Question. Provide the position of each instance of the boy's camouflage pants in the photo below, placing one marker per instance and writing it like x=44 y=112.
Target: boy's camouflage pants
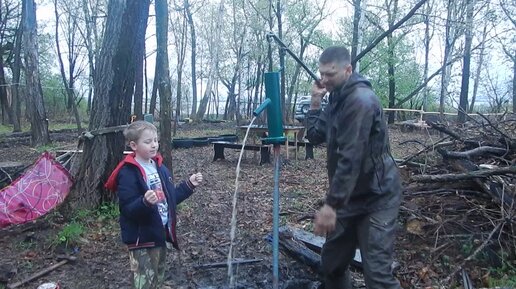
x=148 y=267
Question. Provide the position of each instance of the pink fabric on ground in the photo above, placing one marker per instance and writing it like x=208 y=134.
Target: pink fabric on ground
x=40 y=189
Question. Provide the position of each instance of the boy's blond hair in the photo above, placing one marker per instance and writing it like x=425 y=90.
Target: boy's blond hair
x=134 y=131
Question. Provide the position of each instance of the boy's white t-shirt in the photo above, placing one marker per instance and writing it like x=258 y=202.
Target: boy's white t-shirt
x=153 y=180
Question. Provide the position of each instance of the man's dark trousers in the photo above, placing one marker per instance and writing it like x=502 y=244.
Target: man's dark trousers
x=374 y=234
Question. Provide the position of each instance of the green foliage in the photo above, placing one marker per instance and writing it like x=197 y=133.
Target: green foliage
x=48 y=147
x=504 y=276
x=70 y=234
x=108 y=211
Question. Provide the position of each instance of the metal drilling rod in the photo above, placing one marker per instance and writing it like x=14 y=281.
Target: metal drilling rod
x=275 y=219
x=283 y=46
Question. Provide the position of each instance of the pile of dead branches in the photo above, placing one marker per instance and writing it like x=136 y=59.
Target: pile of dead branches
x=461 y=195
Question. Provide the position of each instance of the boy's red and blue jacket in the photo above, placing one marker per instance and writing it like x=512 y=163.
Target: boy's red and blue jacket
x=140 y=222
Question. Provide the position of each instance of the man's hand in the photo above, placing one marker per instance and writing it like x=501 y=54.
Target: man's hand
x=318 y=92
x=325 y=220
x=196 y=179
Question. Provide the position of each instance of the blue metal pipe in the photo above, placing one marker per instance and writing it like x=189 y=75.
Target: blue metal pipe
x=275 y=219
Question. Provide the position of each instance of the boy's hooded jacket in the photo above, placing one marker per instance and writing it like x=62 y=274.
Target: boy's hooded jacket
x=140 y=221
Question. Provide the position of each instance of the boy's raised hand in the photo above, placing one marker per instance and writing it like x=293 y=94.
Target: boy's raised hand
x=151 y=197
x=196 y=179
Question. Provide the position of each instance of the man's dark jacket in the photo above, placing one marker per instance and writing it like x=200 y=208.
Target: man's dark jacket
x=140 y=222
x=363 y=176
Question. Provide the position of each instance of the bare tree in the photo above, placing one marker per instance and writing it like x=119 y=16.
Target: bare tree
x=306 y=19
x=35 y=104
x=508 y=10
x=73 y=54
x=114 y=85
x=213 y=64
x=92 y=34
x=165 y=90
x=16 y=71
x=481 y=56
x=193 y=54
x=450 y=37
x=468 y=35
x=9 y=33
x=180 y=29
x=427 y=39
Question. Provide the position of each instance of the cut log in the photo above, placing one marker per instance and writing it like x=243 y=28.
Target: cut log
x=305 y=246
x=297 y=250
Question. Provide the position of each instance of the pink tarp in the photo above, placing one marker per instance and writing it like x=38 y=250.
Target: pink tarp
x=40 y=189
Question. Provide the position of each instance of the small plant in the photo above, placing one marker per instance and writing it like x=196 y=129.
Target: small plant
x=70 y=234
x=47 y=147
x=467 y=247
x=504 y=276
x=108 y=211
x=82 y=215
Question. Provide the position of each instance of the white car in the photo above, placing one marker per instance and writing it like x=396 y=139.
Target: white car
x=303 y=105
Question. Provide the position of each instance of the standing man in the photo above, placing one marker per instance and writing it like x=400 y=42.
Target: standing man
x=364 y=196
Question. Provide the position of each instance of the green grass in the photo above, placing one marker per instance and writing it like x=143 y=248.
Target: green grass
x=108 y=211
x=73 y=231
x=504 y=276
x=70 y=234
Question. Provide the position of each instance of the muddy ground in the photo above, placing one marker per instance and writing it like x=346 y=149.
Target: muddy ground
x=204 y=226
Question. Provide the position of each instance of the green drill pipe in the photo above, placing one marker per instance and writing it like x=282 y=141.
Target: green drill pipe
x=274 y=116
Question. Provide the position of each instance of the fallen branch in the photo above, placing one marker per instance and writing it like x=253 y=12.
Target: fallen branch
x=504 y=135
x=444 y=130
x=463 y=176
x=475 y=253
x=474 y=152
x=439 y=143
x=225 y=264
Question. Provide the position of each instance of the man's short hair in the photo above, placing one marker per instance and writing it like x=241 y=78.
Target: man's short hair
x=135 y=130
x=337 y=54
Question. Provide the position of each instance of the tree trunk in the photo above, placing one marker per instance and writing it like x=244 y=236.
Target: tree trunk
x=180 y=42
x=356 y=24
x=464 y=90
x=193 y=40
x=35 y=104
x=269 y=43
x=392 y=14
x=478 y=73
x=514 y=83
x=91 y=50
x=165 y=90
x=282 y=61
x=427 y=53
x=139 y=57
x=68 y=84
x=115 y=74
x=214 y=64
x=16 y=69
x=154 y=94
x=448 y=49
x=7 y=105
x=258 y=83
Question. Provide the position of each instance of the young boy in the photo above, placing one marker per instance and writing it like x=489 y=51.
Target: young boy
x=148 y=200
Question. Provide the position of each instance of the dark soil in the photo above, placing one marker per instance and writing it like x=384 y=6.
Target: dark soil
x=204 y=226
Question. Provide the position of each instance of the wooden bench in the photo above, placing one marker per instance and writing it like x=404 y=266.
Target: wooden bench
x=309 y=148
x=219 y=146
